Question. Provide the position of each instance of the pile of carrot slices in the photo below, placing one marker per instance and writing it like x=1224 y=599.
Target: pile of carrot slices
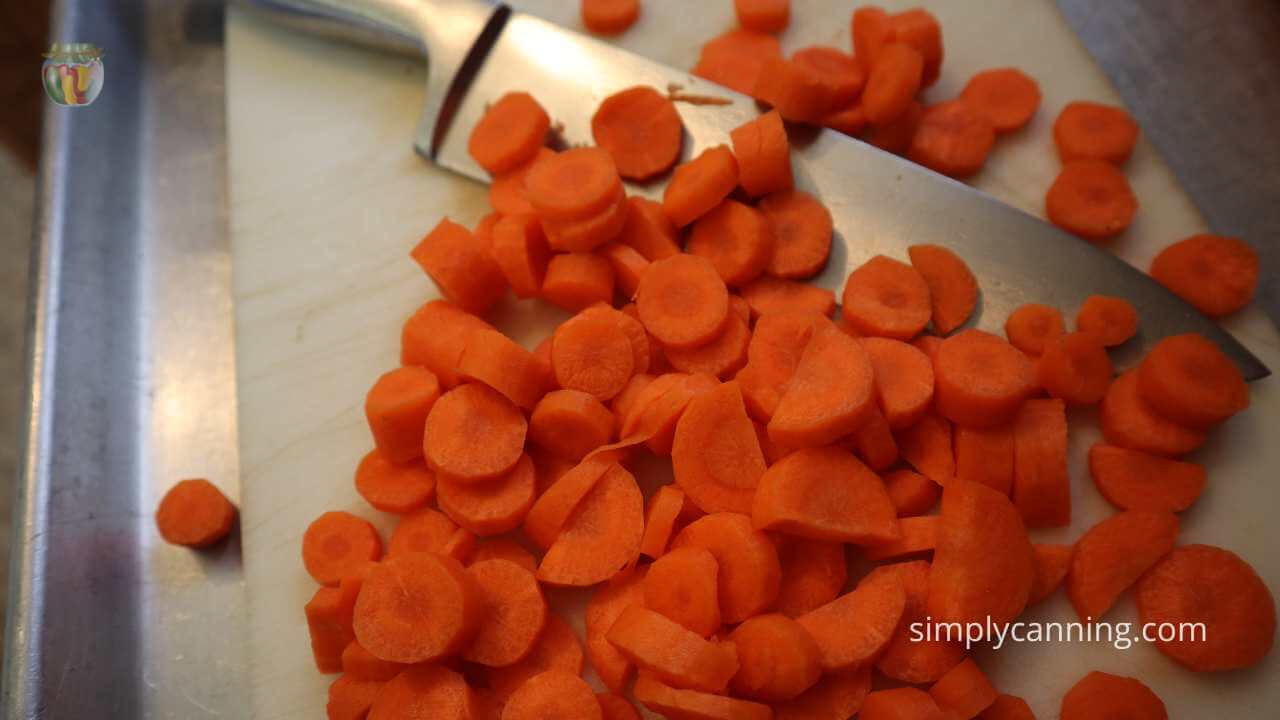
x=796 y=438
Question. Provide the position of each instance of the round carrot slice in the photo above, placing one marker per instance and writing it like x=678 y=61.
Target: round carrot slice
x=418 y=607
x=500 y=363
x=699 y=185
x=609 y=17
x=1128 y=421
x=682 y=586
x=641 y=129
x=509 y=134
x=799 y=91
x=571 y=423
x=839 y=70
x=893 y=82
x=461 y=266
x=553 y=694
x=1091 y=199
x=735 y=58
x=736 y=238
x=1110 y=320
x=1007 y=97
x=953 y=139
x=435 y=337
x=429 y=530
x=903 y=380
x=769 y=295
x=855 y=627
x=587 y=234
x=767 y=16
x=493 y=507
x=575 y=281
x=777 y=659
x=591 y=353
x=1075 y=368
x=980 y=379
x=953 y=290
x=830 y=393
x=573 y=185
x=1216 y=274
x=1032 y=327
x=396 y=408
x=1187 y=379
x=628 y=265
x=648 y=230
x=825 y=493
x=514 y=609
x=336 y=543
x=521 y=251
x=1091 y=131
x=750 y=574
x=763 y=154
x=504 y=549
x=721 y=357
x=426 y=691
x=557 y=648
x=1112 y=555
x=1102 y=695
x=506 y=192
x=394 y=488
x=194 y=513
x=886 y=298
x=473 y=433
x=920 y=29
x=802 y=229
x=683 y=301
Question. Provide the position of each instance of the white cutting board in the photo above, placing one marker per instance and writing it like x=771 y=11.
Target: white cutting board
x=327 y=197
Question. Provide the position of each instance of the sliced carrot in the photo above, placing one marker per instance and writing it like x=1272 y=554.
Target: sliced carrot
x=497 y=361
x=1128 y=421
x=1091 y=131
x=850 y=119
x=473 y=433
x=447 y=608
x=601 y=537
x=557 y=503
x=908 y=658
x=1075 y=368
x=504 y=549
x=609 y=17
x=870 y=29
x=927 y=447
x=506 y=192
x=571 y=423
x=737 y=239
x=825 y=493
x=1112 y=555
x=964 y=690
x=589 y=233
x=953 y=139
x=918 y=535
x=336 y=543
x=799 y=91
x=1007 y=97
x=351 y=698
x=802 y=229
x=910 y=492
x=681 y=585
x=557 y=649
x=329 y=618
x=632 y=328
x=658 y=364
x=837 y=696
x=509 y=133
x=763 y=154
x=628 y=265
x=920 y=29
x=1134 y=480
x=895 y=136
x=769 y=16
x=1189 y=380
x=722 y=357
x=892 y=83
x=641 y=129
x=813 y=573
x=1052 y=564
x=984 y=565
x=492 y=507
x=1032 y=327
x=953 y=291
x=592 y=353
x=749 y=570
x=699 y=185
x=716 y=458
x=1041 y=486
x=1008 y=707
x=693 y=705
x=194 y=513
x=435 y=337
x=550 y=467
x=886 y=298
x=624 y=403
x=396 y=408
x=1110 y=320
x=841 y=71
x=514 y=609
x=927 y=344
x=648 y=230
x=429 y=530
x=616 y=707
x=1099 y=695
x=772 y=356
x=1091 y=199
x=676 y=655
x=903 y=380
x=980 y=379
x=735 y=58
x=855 y=627
x=874 y=442
x=553 y=694
x=483 y=231
x=520 y=249
x=777 y=658
x=769 y=295
x=603 y=608
x=659 y=411
x=573 y=185
x=461 y=267
x=683 y=301
x=830 y=393
x=986 y=455
x=426 y=691
x=361 y=664
x=1218 y=275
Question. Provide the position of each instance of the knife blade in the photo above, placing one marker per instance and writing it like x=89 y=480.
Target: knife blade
x=880 y=203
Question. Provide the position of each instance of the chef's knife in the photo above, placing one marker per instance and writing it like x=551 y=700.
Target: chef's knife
x=477 y=51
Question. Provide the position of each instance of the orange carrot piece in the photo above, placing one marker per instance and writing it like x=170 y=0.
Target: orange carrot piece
x=895 y=136
x=461 y=267
x=553 y=694
x=616 y=707
x=799 y=91
x=825 y=493
x=699 y=185
x=587 y=234
x=772 y=356
x=693 y=705
x=983 y=565
x=557 y=649
x=1110 y=320
x=509 y=133
x=768 y=16
x=850 y=119
x=1091 y=131
x=628 y=265
x=426 y=691
x=737 y=239
x=396 y=408
x=1112 y=555
x=659 y=409
x=874 y=442
x=1134 y=480
x=886 y=298
x=329 y=618
x=986 y=455
x=592 y=353
x=500 y=363
x=1099 y=695
x=1128 y=421
x=336 y=543
x=641 y=129
x=1075 y=368
x=1008 y=707
x=1218 y=275
x=473 y=433
x=659 y=521
x=448 y=607
x=918 y=535
x=676 y=655
x=351 y=698
x=1189 y=380
x=492 y=507
x=830 y=393
x=610 y=17
x=907 y=658
x=920 y=29
x=964 y=690
x=514 y=610
x=777 y=658
x=570 y=423
x=435 y=337
x=813 y=573
x=837 y=696
x=1052 y=564
x=429 y=530
x=953 y=290
x=681 y=585
x=558 y=502
x=722 y=357
x=1007 y=97
x=504 y=549
x=840 y=70
x=194 y=513
x=1091 y=199
x=506 y=191
x=521 y=251
x=892 y=83
x=1041 y=486
x=750 y=573
x=953 y=139
x=903 y=380
x=603 y=608
x=360 y=664
x=763 y=154
x=601 y=537
x=855 y=627
x=910 y=492
x=870 y=29
x=1032 y=327
x=573 y=185
x=716 y=457
x=927 y=447
x=802 y=229
x=735 y=58
x=624 y=403
x=768 y=295
x=980 y=379
x=648 y=230
x=683 y=301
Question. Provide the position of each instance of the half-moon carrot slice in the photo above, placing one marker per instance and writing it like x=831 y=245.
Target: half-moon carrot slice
x=736 y=238
x=509 y=133
x=927 y=447
x=606 y=603
x=521 y=251
x=1112 y=555
x=499 y=362
x=648 y=230
x=953 y=139
x=716 y=457
x=777 y=658
x=1128 y=421
x=825 y=493
x=572 y=185
x=907 y=658
x=699 y=185
x=473 y=433
x=336 y=543
x=1216 y=274
x=903 y=380
x=447 y=608
x=802 y=229
x=1189 y=380
x=683 y=301
x=1032 y=326
x=660 y=407
x=980 y=379
x=813 y=573
x=763 y=154
x=964 y=691
x=837 y=696
x=749 y=570
x=1041 y=486
x=769 y=295
x=953 y=290
x=886 y=298
x=1110 y=320
x=426 y=691
x=682 y=586
x=558 y=502
x=830 y=393
x=602 y=536
x=1134 y=480
x=492 y=507
x=675 y=654
x=394 y=488
x=350 y=698
x=693 y=705
x=553 y=694
x=919 y=535
x=986 y=455
x=660 y=519
x=912 y=493
x=515 y=613
x=852 y=629
x=641 y=129
x=874 y=442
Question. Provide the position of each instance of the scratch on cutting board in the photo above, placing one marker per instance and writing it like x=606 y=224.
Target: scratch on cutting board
x=208 y=710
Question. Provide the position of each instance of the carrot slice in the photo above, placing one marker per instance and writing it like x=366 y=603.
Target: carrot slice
x=1215 y=587
x=194 y=513
x=777 y=658
x=1109 y=320
x=802 y=229
x=910 y=492
x=903 y=380
x=830 y=393
x=504 y=549
x=648 y=230
x=497 y=361
x=772 y=356
x=1128 y=421
x=587 y=234
x=603 y=608
x=509 y=133
x=435 y=337
x=593 y=354
x=616 y=707
x=716 y=457
x=886 y=298
x=683 y=301
x=749 y=570
x=628 y=265
x=641 y=129
x=553 y=694
x=461 y=267
x=693 y=705
x=492 y=507
x=840 y=70
x=850 y=119
x=855 y=627
x=825 y=493
x=1075 y=368
x=964 y=690
x=895 y=136
x=360 y=664
x=1091 y=131
x=984 y=565
x=799 y=91
x=521 y=251
x=1007 y=97
x=768 y=295
x=953 y=291
x=1041 y=486
x=601 y=537
x=351 y=698
x=336 y=543
x=473 y=433
x=676 y=655
x=1008 y=707
x=986 y=455
x=737 y=239
x=874 y=442
x=624 y=403
x=837 y=696
x=920 y=29
x=514 y=609
x=506 y=191
x=447 y=608
x=329 y=617
x=558 y=502
x=1218 y=275
x=699 y=185
x=681 y=585
x=1032 y=327
x=1100 y=694
x=953 y=139
x=918 y=535
x=813 y=573
x=572 y=185
x=1189 y=380
x=659 y=520
x=557 y=649
x=429 y=530
x=722 y=357
x=769 y=16
x=396 y=408
x=927 y=447
x=1112 y=555
x=980 y=380
x=763 y=154
x=659 y=411
x=893 y=82
x=870 y=29
x=426 y=691
x=907 y=658
x=570 y=423
x=1091 y=199
x=735 y=58
x=632 y=328
x=1052 y=564
x=609 y=17
x=1134 y=480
